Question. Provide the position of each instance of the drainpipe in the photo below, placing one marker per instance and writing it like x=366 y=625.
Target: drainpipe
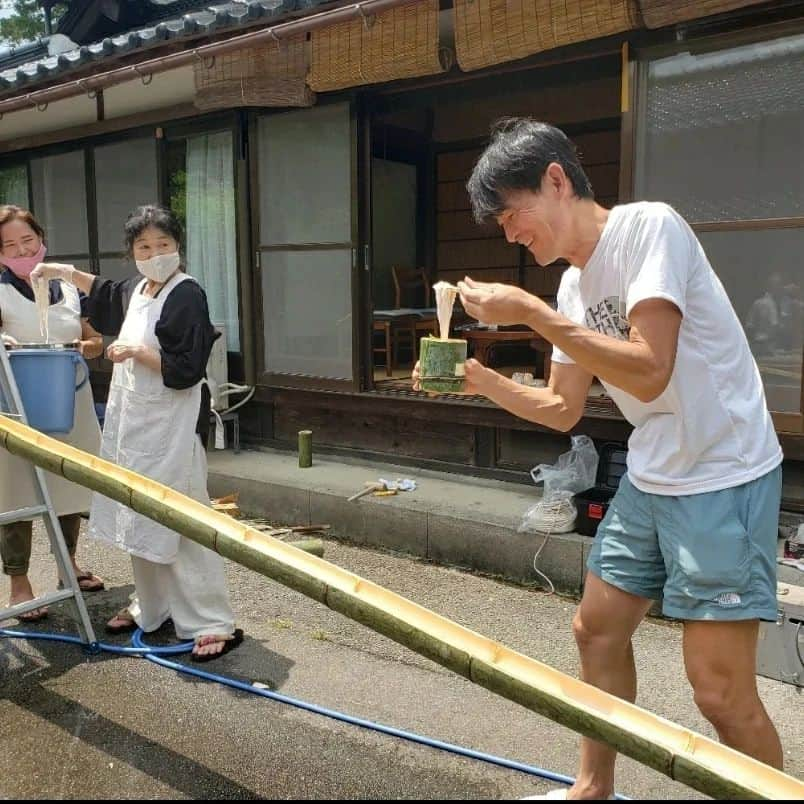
x=205 y=54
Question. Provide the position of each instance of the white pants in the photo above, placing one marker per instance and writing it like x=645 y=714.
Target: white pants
x=192 y=591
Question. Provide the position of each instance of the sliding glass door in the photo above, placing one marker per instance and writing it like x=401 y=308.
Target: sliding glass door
x=306 y=246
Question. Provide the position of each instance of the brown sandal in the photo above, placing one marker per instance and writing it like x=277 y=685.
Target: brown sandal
x=229 y=643
x=87 y=582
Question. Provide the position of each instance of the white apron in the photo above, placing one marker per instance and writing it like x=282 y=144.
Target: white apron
x=149 y=429
x=21 y=321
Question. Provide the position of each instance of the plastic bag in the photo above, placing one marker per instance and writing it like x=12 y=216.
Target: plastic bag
x=573 y=472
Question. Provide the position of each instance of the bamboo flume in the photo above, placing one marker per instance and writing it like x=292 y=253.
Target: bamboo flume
x=677 y=752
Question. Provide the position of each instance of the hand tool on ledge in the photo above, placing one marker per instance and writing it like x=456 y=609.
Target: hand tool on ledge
x=370 y=487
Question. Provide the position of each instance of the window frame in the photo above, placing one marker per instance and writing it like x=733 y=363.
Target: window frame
x=358 y=246
x=785 y=422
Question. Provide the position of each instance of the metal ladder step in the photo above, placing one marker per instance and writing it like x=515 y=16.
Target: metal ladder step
x=11 y=402
x=31 y=605
x=21 y=514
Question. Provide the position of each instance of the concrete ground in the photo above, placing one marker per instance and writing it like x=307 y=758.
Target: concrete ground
x=117 y=727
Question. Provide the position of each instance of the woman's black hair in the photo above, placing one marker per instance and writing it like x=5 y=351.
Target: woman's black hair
x=151 y=215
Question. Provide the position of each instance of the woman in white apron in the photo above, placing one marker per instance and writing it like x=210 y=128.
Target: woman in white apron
x=21 y=248
x=157 y=417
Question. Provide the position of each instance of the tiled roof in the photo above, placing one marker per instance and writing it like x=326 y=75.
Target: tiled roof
x=216 y=18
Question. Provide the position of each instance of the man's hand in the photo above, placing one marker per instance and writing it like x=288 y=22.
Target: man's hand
x=495 y=303
x=53 y=270
x=9 y=340
x=477 y=377
x=416 y=376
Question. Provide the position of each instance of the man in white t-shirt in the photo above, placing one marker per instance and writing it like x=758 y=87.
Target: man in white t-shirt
x=695 y=520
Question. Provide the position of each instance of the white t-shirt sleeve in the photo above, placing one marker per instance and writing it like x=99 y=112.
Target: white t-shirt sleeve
x=568 y=303
x=658 y=257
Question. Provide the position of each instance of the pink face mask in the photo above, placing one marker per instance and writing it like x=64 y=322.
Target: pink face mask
x=22 y=266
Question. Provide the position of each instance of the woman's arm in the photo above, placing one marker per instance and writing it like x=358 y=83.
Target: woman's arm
x=91 y=343
x=185 y=336
x=105 y=302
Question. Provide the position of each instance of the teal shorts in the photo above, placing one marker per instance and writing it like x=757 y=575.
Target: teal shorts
x=708 y=556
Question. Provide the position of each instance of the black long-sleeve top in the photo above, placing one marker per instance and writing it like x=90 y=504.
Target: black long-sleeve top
x=184 y=332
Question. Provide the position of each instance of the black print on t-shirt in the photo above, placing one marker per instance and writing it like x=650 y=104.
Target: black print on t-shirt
x=608 y=318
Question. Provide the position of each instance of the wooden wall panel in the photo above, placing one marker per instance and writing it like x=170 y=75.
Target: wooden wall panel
x=508 y=275
x=488 y=253
x=452 y=196
x=542 y=281
x=457 y=165
x=461 y=225
x=364 y=430
x=594 y=99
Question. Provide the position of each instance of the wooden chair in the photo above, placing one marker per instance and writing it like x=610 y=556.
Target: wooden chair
x=412 y=288
x=384 y=326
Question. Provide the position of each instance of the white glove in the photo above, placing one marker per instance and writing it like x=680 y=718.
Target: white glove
x=53 y=270
x=8 y=339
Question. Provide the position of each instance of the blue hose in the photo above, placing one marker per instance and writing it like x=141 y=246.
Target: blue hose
x=98 y=647
x=139 y=648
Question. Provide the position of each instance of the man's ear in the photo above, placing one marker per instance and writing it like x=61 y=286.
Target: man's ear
x=555 y=178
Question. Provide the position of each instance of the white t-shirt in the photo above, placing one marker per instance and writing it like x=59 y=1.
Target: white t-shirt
x=710 y=429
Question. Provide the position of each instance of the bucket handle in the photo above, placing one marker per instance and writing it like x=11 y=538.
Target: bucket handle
x=79 y=358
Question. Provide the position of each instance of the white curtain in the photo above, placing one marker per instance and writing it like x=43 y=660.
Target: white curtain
x=211 y=232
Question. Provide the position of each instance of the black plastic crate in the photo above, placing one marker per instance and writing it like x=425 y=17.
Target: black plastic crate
x=593 y=503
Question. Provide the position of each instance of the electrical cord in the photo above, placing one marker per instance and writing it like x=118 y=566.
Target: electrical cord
x=556 y=515
x=227 y=388
x=221 y=391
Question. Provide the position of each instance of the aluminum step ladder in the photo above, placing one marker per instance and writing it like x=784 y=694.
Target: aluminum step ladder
x=11 y=406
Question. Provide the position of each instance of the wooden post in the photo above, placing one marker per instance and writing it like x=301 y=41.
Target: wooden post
x=305 y=449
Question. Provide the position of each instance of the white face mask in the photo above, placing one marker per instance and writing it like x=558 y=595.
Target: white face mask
x=159 y=268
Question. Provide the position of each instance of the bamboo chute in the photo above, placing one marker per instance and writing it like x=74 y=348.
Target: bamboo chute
x=677 y=752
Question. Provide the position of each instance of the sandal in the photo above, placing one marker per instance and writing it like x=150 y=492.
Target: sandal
x=33 y=616
x=87 y=582
x=228 y=644
x=128 y=624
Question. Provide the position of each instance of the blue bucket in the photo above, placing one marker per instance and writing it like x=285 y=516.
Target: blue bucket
x=46 y=379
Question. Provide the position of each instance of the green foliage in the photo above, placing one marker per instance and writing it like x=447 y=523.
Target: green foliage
x=27 y=22
x=14 y=186
x=178 y=196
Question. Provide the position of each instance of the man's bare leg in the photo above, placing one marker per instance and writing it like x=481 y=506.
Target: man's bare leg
x=720 y=658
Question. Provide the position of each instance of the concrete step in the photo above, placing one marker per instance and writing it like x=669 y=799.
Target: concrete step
x=450 y=519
